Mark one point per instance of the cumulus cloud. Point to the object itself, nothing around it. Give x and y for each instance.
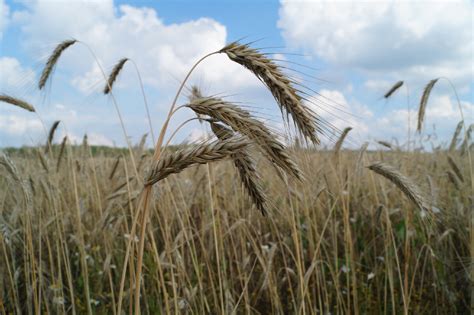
(163, 52)
(406, 39)
(17, 124)
(14, 75)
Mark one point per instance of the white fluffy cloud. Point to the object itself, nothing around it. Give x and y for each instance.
(13, 74)
(163, 52)
(406, 39)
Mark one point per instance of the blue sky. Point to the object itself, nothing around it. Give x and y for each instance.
(351, 52)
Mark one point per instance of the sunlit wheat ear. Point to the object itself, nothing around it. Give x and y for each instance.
(403, 183)
(246, 167)
(16, 102)
(52, 130)
(52, 60)
(423, 102)
(392, 90)
(114, 74)
(242, 122)
(338, 145)
(455, 168)
(285, 94)
(454, 140)
(175, 162)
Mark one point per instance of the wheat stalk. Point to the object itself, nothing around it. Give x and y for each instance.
(454, 140)
(241, 121)
(172, 163)
(405, 184)
(246, 168)
(17, 102)
(285, 94)
(423, 102)
(455, 168)
(392, 90)
(114, 74)
(52, 60)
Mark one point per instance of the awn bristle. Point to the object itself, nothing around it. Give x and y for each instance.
(392, 90)
(242, 122)
(338, 145)
(285, 94)
(52, 60)
(52, 130)
(402, 182)
(17, 102)
(114, 74)
(455, 168)
(246, 167)
(423, 102)
(175, 162)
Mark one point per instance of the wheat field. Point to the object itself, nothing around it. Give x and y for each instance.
(240, 224)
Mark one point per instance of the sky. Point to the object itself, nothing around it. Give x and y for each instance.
(346, 53)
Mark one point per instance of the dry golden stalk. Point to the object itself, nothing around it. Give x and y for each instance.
(242, 122)
(392, 90)
(114, 74)
(52, 60)
(403, 183)
(279, 84)
(175, 162)
(17, 102)
(423, 102)
(246, 168)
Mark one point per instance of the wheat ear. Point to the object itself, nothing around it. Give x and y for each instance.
(454, 140)
(455, 168)
(175, 162)
(246, 168)
(242, 122)
(52, 130)
(392, 90)
(338, 145)
(285, 94)
(17, 102)
(114, 74)
(423, 102)
(52, 60)
(405, 184)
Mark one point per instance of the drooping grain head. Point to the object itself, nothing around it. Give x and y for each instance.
(16, 102)
(338, 145)
(423, 102)
(114, 74)
(52, 130)
(175, 162)
(392, 90)
(454, 140)
(246, 168)
(405, 184)
(242, 122)
(285, 94)
(52, 60)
